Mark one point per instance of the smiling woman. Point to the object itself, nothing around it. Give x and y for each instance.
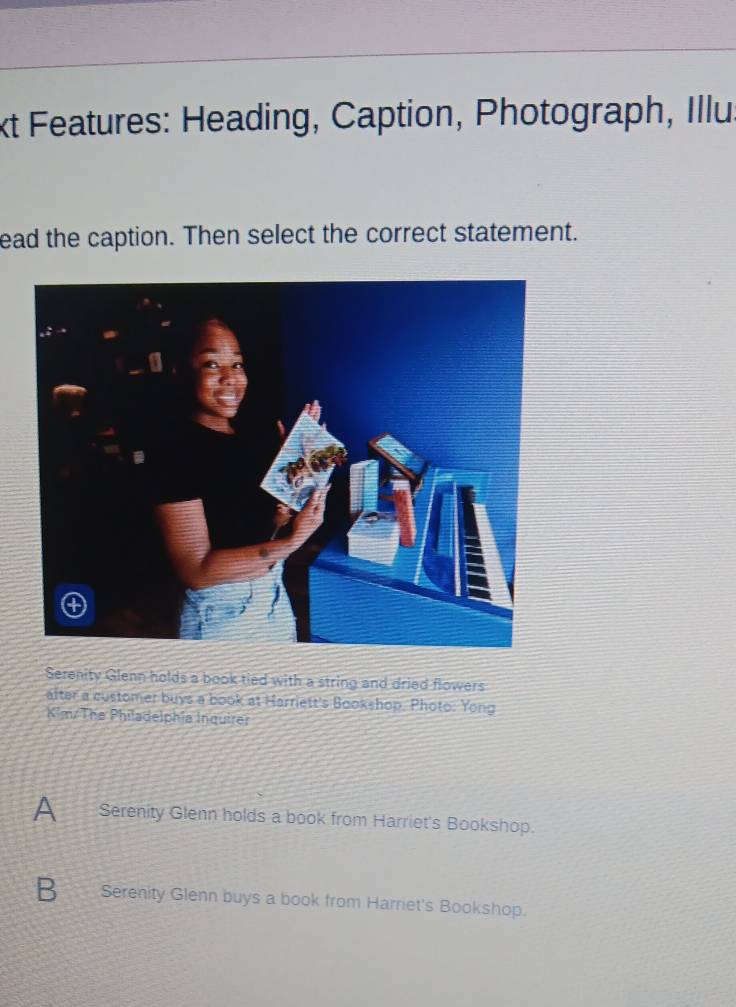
(219, 376)
(218, 525)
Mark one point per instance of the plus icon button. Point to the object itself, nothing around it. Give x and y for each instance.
(74, 605)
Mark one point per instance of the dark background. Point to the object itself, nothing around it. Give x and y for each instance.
(96, 516)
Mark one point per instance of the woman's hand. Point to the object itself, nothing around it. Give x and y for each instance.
(313, 409)
(309, 518)
(283, 515)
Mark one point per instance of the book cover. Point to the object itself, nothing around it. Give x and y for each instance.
(304, 463)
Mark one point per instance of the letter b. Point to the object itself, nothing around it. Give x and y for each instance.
(46, 889)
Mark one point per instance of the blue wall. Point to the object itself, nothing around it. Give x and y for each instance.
(439, 365)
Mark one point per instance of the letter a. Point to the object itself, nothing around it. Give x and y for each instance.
(44, 808)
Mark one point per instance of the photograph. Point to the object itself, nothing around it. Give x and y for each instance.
(317, 462)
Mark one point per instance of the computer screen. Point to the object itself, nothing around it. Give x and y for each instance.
(367, 504)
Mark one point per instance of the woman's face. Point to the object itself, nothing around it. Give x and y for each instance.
(219, 375)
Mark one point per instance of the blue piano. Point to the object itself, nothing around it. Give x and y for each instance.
(451, 588)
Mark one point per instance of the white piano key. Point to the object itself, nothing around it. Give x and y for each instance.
(491, 560)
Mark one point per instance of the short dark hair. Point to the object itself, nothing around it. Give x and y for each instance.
(187, 337)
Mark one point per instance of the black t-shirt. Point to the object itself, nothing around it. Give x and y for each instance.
(224, 471)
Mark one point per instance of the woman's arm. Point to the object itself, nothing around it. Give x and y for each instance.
(197, 565)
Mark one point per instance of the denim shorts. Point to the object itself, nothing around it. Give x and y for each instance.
(252, 610)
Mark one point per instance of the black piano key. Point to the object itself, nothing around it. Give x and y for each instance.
(469, 522)
(477, 587)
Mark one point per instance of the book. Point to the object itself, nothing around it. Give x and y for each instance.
(375, 537)
(305, 463)
(404, 505)
(363, 486)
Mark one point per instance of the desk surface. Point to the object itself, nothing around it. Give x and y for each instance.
(405, 572)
